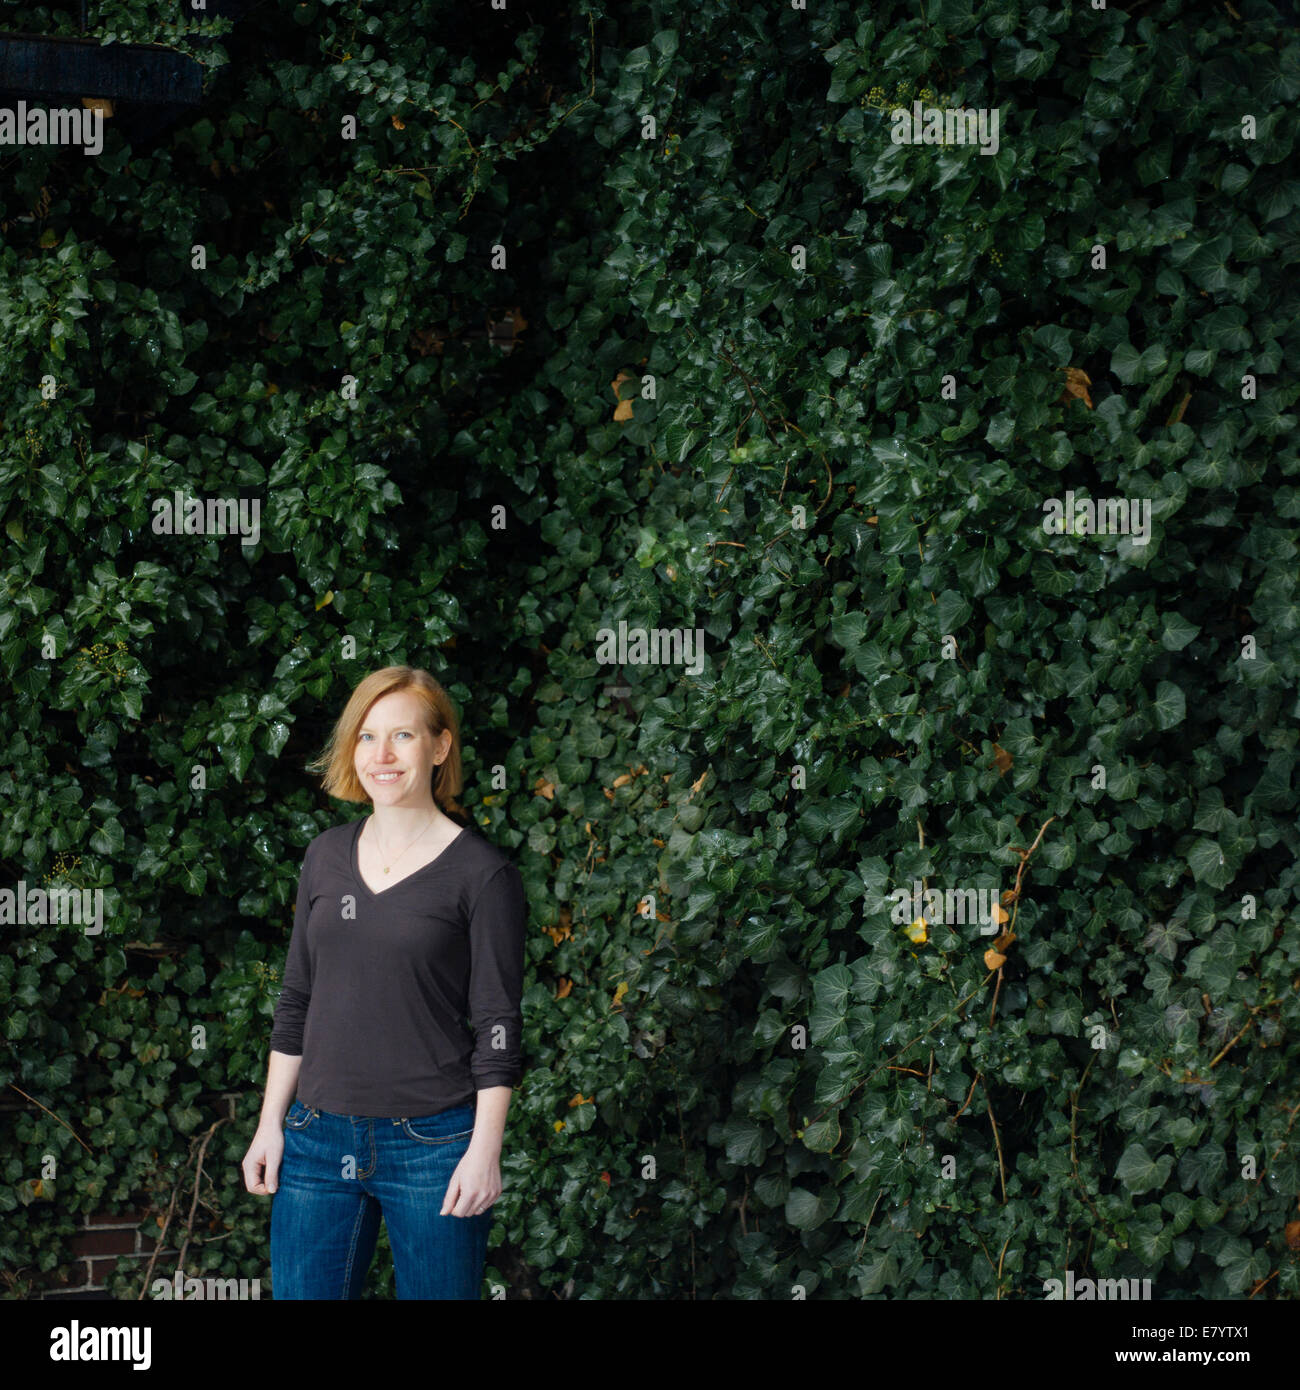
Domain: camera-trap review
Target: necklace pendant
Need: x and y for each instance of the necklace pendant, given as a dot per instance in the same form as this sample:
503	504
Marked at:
385	870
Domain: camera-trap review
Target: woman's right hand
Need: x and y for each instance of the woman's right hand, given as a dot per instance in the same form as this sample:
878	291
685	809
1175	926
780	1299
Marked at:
262	1162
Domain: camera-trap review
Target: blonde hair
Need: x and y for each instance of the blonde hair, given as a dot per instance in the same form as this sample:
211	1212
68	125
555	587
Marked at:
337	762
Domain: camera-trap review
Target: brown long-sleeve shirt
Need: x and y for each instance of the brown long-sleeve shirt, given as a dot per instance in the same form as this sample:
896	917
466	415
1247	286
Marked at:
379	987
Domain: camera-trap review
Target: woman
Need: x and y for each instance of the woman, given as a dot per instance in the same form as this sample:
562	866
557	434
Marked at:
405	925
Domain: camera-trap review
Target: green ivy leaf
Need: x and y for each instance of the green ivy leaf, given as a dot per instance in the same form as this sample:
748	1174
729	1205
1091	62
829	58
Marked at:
805	1211
1169	706
1208	864
1139	1172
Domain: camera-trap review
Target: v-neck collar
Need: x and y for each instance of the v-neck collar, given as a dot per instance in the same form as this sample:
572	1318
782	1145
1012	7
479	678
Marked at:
383	892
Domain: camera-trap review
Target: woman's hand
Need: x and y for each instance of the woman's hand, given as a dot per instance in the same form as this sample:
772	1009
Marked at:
475	1184
261	1163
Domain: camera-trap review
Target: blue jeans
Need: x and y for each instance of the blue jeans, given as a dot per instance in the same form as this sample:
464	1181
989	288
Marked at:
340	1173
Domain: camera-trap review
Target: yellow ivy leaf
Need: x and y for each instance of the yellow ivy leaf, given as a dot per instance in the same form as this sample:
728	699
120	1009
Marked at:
321	602
1076	387
618	995
918	931
623	411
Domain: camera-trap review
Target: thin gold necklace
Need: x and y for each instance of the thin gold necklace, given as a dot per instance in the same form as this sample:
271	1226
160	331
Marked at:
380	848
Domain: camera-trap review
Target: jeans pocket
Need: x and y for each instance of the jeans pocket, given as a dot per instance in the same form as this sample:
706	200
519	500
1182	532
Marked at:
446	1127
299	1116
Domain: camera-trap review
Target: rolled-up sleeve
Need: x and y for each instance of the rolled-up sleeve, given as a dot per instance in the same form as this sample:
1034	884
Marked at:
295	993
496	979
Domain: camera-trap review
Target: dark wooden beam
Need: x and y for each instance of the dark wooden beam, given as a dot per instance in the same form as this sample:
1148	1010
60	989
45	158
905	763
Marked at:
46	67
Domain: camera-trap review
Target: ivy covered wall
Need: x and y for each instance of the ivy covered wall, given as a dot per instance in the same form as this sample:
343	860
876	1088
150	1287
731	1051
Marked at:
518	331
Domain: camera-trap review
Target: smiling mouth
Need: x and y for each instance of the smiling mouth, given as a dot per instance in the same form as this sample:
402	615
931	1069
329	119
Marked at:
385	776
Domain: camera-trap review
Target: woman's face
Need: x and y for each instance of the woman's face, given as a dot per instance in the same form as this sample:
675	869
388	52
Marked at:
395	753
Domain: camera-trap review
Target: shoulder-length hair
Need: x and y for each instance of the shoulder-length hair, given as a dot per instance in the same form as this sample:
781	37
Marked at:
337	761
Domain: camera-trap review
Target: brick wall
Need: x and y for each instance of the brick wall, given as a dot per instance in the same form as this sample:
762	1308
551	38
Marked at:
97	1245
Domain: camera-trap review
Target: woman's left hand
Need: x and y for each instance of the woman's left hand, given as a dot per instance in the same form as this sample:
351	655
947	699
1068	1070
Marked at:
474	1186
